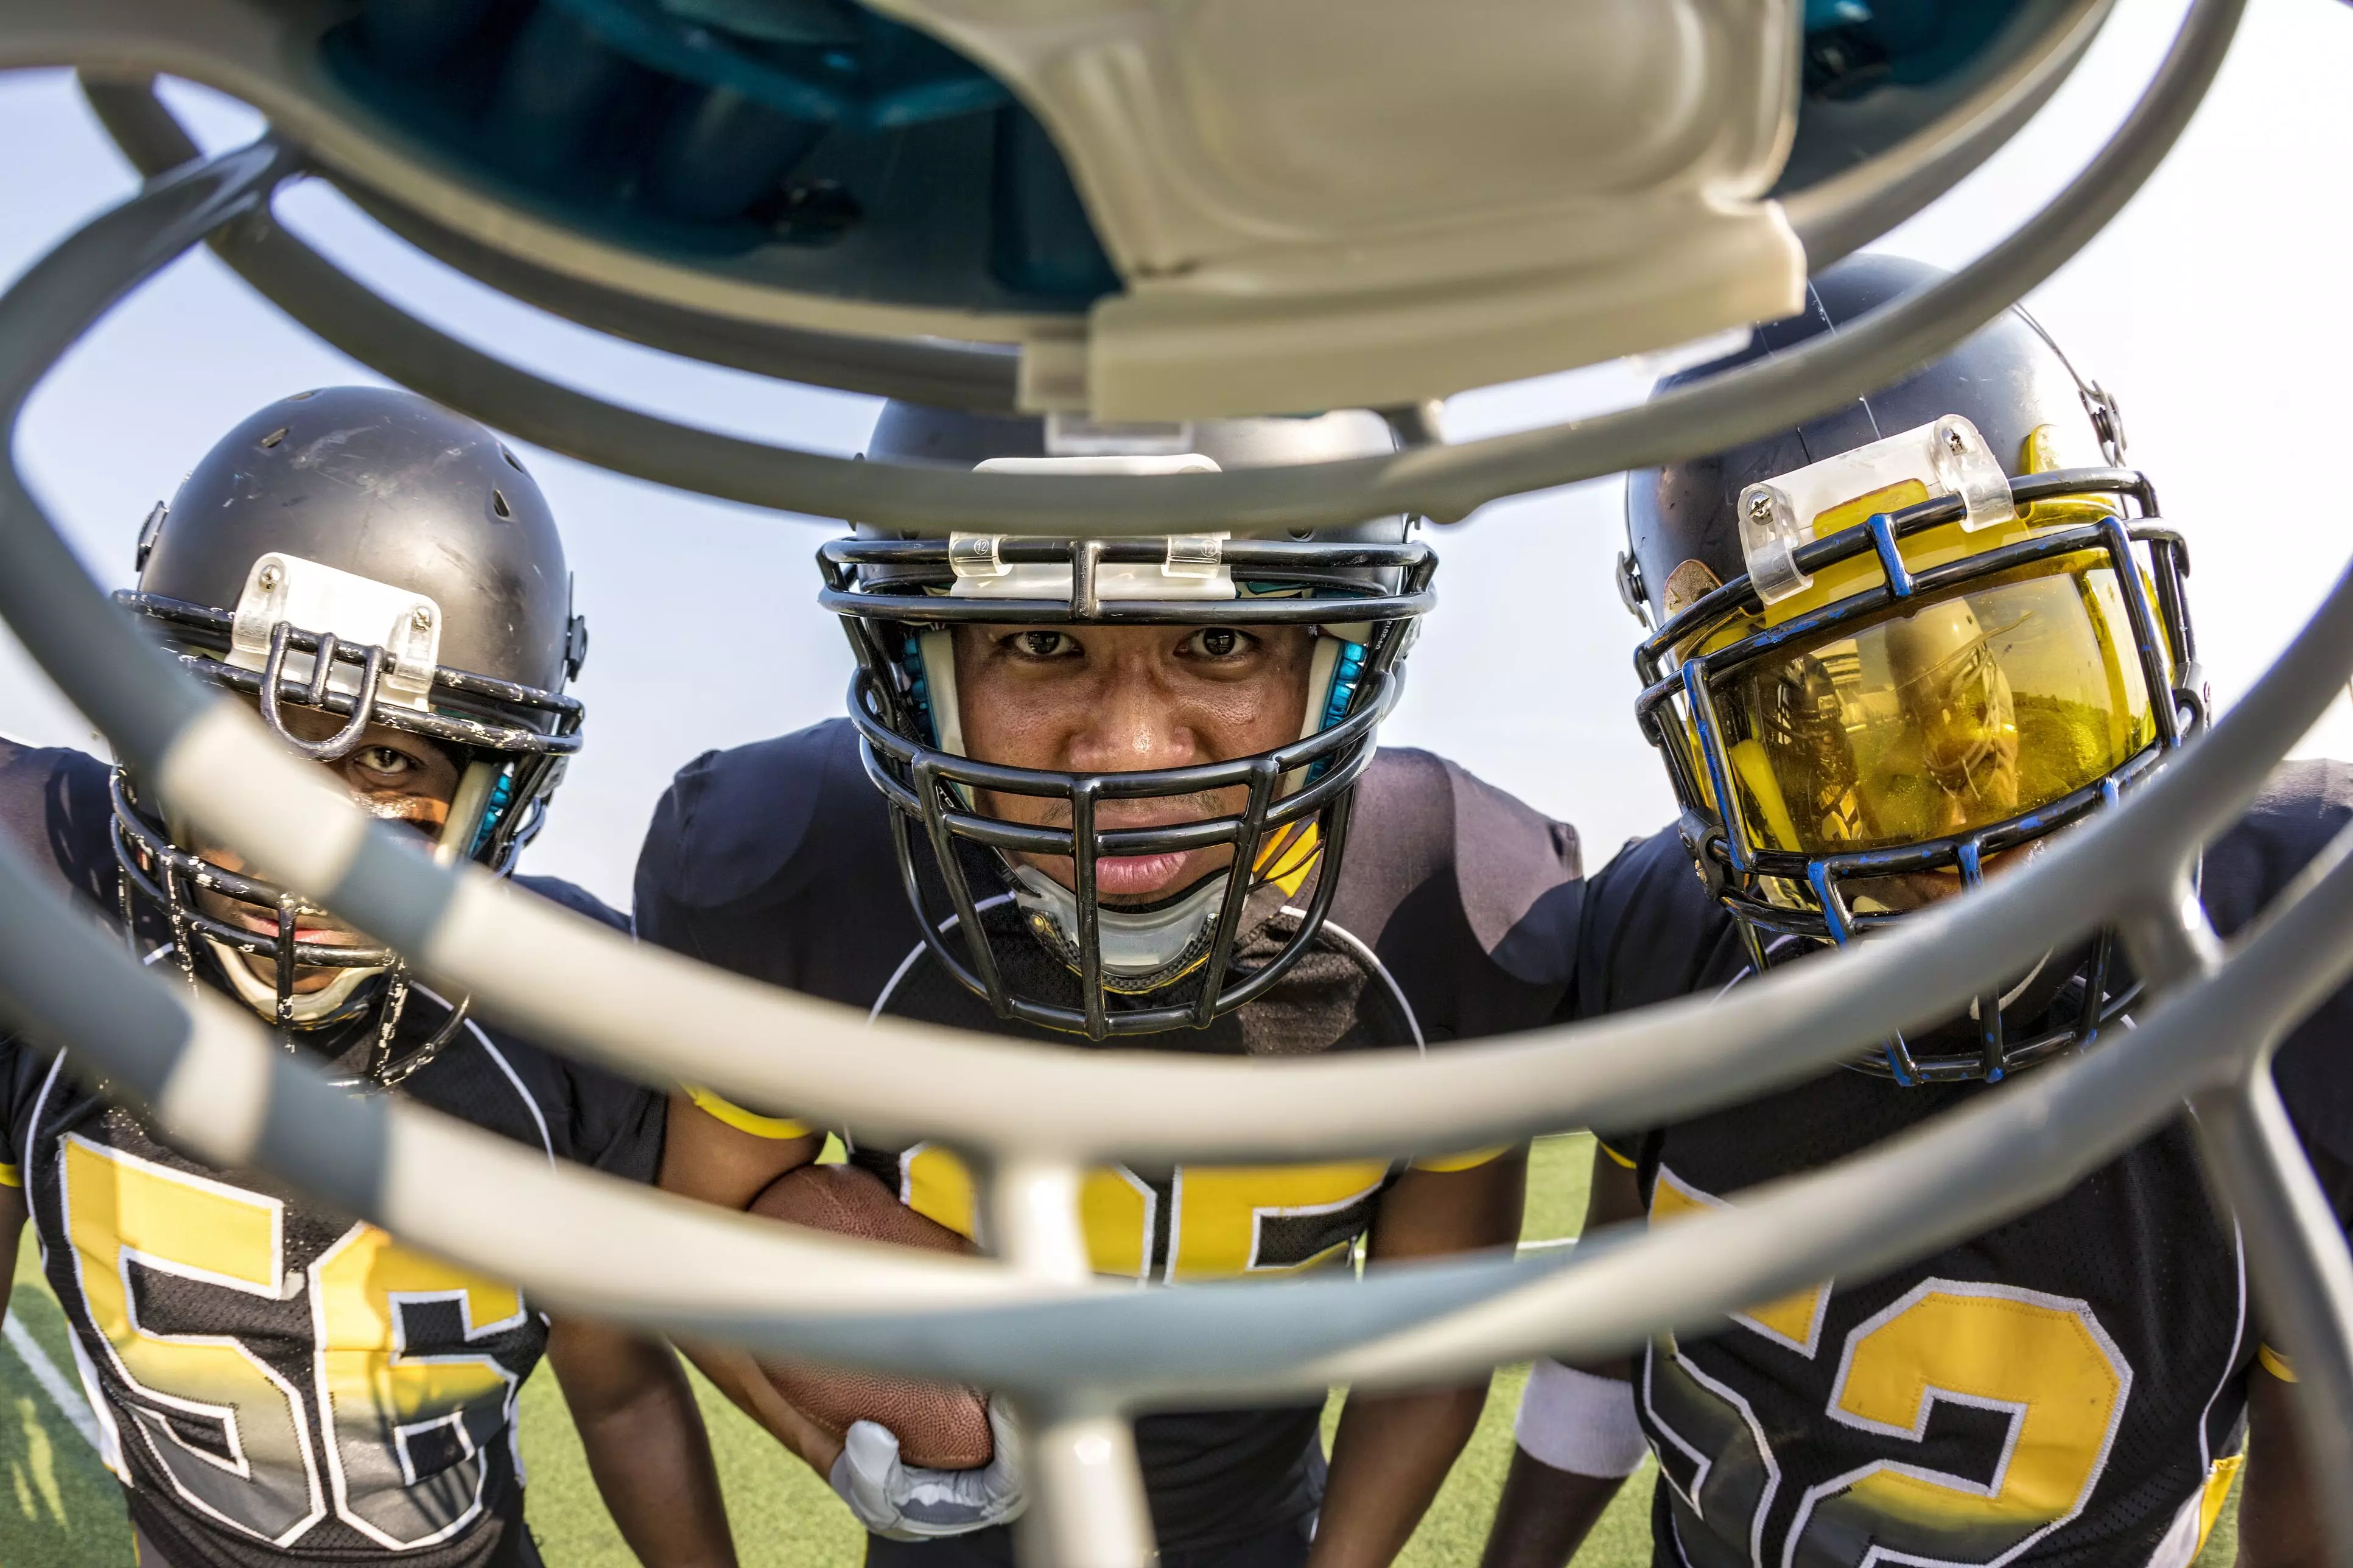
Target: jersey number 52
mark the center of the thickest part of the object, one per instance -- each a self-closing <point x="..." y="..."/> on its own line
<point x="2041" y="1364"/>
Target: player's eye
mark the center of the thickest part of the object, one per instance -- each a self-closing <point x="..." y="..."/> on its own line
<point x="1042" y="643"/>
<point x="1218" y="642"/>
<point x="384" y="761"/>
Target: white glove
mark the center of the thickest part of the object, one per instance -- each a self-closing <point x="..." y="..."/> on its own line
<point x="903" y="1502"/>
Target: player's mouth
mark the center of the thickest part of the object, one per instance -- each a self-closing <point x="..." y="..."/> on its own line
<point x="331" y="936"/>
<point x="1140" y="879"/>
<point x="1132" y="878"/>
<point x="1141" y="876"/>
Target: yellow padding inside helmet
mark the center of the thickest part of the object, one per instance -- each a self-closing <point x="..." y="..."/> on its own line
<point x="1292" y="858"/>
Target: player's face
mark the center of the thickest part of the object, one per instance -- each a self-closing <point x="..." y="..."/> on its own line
<point x="1125" y="699"/>
<point x="397" y="777"/>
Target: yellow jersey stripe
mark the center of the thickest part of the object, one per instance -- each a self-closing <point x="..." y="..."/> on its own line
<point x="776" y="1126"/>
<point x="1469" y="1160"/>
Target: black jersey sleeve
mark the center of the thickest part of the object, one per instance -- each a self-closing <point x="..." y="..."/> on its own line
<point x="617" y="1126"/>
<point x="56" y="815"/>
<point x="775" y="860"/>
<point x="2303" y="805"/>
<point x="607" y="1121"/>
<point x="1648" y="931"/>
<point x="12" y="1064"/>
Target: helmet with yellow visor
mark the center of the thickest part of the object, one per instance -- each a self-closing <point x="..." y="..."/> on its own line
<point x="1907" y="640"/>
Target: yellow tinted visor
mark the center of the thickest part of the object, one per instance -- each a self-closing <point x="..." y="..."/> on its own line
<point x="1958" y="713"/>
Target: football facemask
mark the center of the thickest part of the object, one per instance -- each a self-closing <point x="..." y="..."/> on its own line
<point x="1172" y="964"/>
<point x="1924" y="671"/>
<point x="450" y="621"/>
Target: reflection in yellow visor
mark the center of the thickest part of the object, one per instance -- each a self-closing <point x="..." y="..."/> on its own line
<point x="1959" y="713"/>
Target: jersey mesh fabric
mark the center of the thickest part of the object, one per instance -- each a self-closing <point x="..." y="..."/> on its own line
<point x="776" y="860"/>
<point x="164" y="1249"/>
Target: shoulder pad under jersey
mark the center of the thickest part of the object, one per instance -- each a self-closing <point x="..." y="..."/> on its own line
<point x="2302" y="806"/>
<point x="1515" y="871"/>
<point x="734" y="825"/>
<point x="54" y="809"/>
<point x="576" y="898"/>
<point x="1651" y="931"/>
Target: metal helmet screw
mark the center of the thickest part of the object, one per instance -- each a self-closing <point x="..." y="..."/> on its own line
<point x="270" y="575"/>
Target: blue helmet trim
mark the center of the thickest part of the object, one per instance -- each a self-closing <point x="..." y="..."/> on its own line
<point x="502" y="797"/>
<point x="919" y="684"/>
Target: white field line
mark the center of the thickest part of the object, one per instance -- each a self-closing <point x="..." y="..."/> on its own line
<point x="63" y="1392"/>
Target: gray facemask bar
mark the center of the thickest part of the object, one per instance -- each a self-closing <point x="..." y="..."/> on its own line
<point x="929" y="788"/>
<point x="1030" y="1327"/>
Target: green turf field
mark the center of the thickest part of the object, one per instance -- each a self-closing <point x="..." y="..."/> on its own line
<point x="60" y="1508"/>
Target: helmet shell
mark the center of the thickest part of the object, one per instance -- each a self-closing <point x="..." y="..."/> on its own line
<point x="904" y="703"/>
<point x="2007" y="380"/>
<point x="910" y="433"/>
<point x="392" y="486"/>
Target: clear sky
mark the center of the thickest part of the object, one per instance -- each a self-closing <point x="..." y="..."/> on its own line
<point x="2215" y="307"/>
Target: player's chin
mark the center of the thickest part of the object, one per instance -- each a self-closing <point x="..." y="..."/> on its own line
<point x="1905" y="891"/>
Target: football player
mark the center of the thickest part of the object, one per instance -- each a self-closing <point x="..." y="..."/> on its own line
<point x="1884" y="724"/>
<point x="1101" y="792"/>
<point x="273" y="1382"/>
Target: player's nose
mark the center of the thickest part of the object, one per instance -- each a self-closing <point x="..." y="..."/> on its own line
<point x="1133" y="723"/>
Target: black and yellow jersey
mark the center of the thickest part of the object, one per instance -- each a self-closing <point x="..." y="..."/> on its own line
<point x="2066" y="1389"/>
<point x="274" y="1383"/>
<point x="1453" y="919"/>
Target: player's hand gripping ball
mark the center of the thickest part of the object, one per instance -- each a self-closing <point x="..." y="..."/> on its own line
<point x="940" y="1427"/>
<point x="903" y="1502"/>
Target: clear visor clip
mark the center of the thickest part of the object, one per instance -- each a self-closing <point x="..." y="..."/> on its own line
<point x="1946" y="458"/>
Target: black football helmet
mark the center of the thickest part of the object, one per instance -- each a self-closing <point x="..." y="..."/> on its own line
<point x="1120" y="971"/>
<point x="1924" y="630"/>
<point x="365" y="552"/>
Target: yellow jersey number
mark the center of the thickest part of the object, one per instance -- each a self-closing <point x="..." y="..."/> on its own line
<point x="2043" y="1362"/>
<point x="404" y="1465"/>
<point x="1224" y="1220"/>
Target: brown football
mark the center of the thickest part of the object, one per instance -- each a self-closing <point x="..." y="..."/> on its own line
<point x="940" y="1425"/>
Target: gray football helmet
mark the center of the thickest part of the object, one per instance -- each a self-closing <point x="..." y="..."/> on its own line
<point x="364" y="553"/>
<point x="1362" y="590"/>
